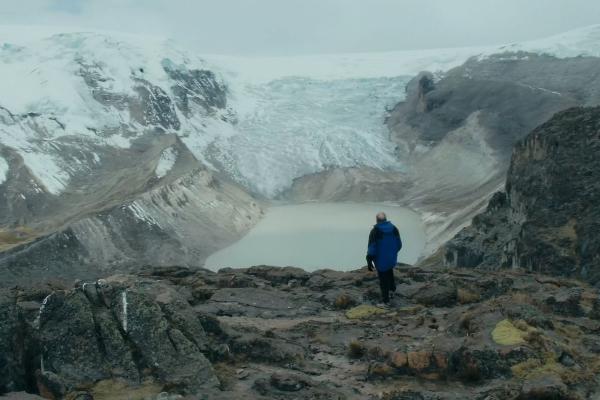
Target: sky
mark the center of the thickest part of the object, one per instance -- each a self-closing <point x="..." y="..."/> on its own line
<point x="290" y="27"/>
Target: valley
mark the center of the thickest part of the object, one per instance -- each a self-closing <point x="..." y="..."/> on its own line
<point x="104" y="163"/>
<point x="175" y="224"/>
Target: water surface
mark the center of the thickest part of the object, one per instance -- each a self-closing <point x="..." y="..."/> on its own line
<point x="319" y="235"/>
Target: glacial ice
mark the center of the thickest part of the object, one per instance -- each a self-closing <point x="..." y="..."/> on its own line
<point x="300" y="126"/>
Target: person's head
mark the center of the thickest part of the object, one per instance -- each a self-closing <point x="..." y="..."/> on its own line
<point x="381" y="217"/>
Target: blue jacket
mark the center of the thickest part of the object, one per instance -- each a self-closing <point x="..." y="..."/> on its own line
<point x="384" y="245"/>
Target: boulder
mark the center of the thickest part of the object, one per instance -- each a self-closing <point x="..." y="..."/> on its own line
<point x="566" y="302"/>
<point x="127" y="330"/>
<point x="288" y="382"/>
<point x="437" y="295"/>
<point x="472" y="364"/>
<point x="547" y="387"/>
<point x="279" y="276"/>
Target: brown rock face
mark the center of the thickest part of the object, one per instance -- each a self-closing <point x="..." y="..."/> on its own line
<point x="399" y="360"/>
<point x="548" y="218"/>
<point x="419" y="360"/>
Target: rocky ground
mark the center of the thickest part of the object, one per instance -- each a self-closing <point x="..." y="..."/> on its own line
<point x="282" y="333"/>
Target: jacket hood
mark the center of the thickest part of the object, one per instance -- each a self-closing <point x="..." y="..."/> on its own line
<point x="385" y="226"/>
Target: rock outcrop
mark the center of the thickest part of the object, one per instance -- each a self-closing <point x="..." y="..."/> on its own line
<point x="134" y="331"/>
<point x="511" y="93"/>
<point x="279" y="333"/>
<point x="548" y="218"/>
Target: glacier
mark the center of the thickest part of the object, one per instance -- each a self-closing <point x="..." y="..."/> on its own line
<point x="300" y="126"/>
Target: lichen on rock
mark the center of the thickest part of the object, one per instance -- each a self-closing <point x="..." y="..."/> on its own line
<point x="507" y="334"/>
<point x="363" y="311"/>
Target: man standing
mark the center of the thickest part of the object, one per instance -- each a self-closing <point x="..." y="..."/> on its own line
<point x="382" y="253"/>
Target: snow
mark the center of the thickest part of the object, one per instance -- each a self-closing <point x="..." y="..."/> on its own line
<point x="3" y="170"/>
<point x="41" y="310"/>
<point x="343" y="66"/>
<point x="46" y="169"/>
<point x="141" y="214"/>
<point x="579" y="42"/>
<point x="166" y="161"/>
<point x="45" y="78"/>
<point x="124" y="309"/>
<point x="295" y="115"/>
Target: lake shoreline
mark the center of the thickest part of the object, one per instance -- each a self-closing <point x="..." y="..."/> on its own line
<point x="319" y="235"/>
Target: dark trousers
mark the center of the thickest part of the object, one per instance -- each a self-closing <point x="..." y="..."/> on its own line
<point x="387" y="284"/>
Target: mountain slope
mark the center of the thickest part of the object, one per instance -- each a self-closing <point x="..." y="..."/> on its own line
<point x="97" y="141"/>
<point x="458" y="130"/>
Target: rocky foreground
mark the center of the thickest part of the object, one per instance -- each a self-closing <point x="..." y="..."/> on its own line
<point x="282" y="333"/>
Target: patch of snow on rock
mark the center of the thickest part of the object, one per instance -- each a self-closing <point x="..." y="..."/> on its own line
<point x="166" y="161"/>
<point x="45" y="168"/>
<point x="3" y="170"/>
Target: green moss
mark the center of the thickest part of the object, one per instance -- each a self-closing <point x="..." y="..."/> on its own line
<point x="522" y="369"/>
<point x="115" y="389"/>
<point x="507" y="334"/>
<point x="15" y="236"/>
<point x="549" y="365"/>
<point x="465" y="296"/>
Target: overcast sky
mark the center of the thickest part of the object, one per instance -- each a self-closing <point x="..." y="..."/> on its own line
<point x="283" y="27"/>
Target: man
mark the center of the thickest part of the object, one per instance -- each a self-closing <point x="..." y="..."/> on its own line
<point x="382" y="253"/>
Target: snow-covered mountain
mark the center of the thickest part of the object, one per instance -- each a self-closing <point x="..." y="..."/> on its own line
<point x="265" y="121"/>
<point x="102" y="131"/>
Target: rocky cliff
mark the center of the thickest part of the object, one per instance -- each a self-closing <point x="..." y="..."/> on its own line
<point x="548" y="218"/>
<point x="280" y="333"/>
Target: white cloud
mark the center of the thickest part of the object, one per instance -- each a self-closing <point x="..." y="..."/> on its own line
<point x="315" y="26"/>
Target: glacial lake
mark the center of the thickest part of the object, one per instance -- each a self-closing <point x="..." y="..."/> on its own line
<point x="319" y="235"/>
